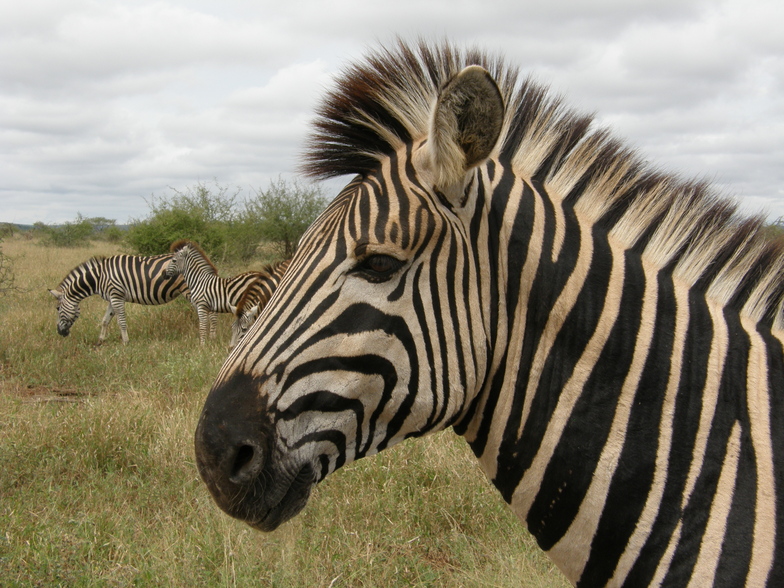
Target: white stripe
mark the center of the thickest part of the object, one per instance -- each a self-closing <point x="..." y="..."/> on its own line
<point x="704" y="573"/>
<point x="650" y="510"/>
<point x="757" y="397"/>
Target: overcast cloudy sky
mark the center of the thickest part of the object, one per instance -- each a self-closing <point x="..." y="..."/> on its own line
<point x="104" y="103"/>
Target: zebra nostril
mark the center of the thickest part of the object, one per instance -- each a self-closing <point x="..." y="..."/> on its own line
<point x="248" y="462"/>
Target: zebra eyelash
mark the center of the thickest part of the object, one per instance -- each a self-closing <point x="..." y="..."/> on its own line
<point x="377" y="268"/>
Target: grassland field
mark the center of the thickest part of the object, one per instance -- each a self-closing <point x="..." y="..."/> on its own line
<point x="98" y="485"/>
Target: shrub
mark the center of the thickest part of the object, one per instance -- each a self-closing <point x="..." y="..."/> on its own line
<point x="199" y="214"/>
<point x="7" y="277"/>
<point x="283" y="212"/>
<point x="7" y="230"/>
<point x="69" y="234"/>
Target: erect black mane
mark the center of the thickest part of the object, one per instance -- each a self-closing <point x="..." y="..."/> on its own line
<point x="384" y="102"/>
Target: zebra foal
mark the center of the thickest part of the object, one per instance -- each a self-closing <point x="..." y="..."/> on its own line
<point x="209" y="293"/>
<point x="607" y="338"/>
<point x="117" y="279"/>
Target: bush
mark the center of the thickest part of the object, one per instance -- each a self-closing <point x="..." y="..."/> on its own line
<point x="7" y="277"/>
<point x="70" y="234"/>
<point x="775" y="229"/>
<point x="210" y="216"/>
<point x="199" y="214"/>
<point x="283" y="212"/>
<point x="7" y="230"/>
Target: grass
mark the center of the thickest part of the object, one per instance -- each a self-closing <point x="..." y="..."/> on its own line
<point x="98" y="485"/>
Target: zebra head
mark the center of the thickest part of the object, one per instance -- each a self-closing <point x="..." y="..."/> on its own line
<point x="245" y="317"/>
<point x="375" y="333"/>
<point x="78" y="284"/>
<point x="177" y="263"/>
<point x="67" y="311"/>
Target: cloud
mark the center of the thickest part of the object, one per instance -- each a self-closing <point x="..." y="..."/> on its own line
<point x="106" y="102"/>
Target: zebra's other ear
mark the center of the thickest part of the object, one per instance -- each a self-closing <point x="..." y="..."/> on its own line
<point x="233" y="309"/>
<point x="464" y="128"/>
<point x="56" y="293"/>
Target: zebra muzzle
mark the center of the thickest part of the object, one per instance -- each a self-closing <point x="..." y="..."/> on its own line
<point x="237" y="458"/>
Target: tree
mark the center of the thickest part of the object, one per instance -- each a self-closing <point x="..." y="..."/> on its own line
<point x="201" y="214"/>
<point x="283" y="212"/>
<point x="69" y="234"/>
<point x="7" y="277"/>
<point x="776" y="228"/>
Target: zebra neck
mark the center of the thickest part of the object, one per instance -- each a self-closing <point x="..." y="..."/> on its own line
<point x="85" y="281"/>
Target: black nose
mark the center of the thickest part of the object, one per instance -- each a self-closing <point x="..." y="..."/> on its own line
<point x="233" y="437"/>
<point x="247" y="463"/>
<point x="63" y="331"/>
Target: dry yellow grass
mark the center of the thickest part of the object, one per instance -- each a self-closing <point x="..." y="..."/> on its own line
<point x="98" y="485"/>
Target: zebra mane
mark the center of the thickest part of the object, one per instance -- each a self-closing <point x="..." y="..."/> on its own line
<point x="383" y="103"/>
<point x="247" y="295"/>
<point x="182" y="243"/>
<point x="267" y="272"/>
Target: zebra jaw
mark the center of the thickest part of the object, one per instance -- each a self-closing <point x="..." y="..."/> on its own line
<point x="250" y="476"/>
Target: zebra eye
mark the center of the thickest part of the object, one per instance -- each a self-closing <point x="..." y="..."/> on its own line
<point x="378" y="268"/>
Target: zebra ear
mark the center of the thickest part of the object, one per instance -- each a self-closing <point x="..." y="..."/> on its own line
<point x="56" y="293"/>
<point x="233" y="309"/>
<point x="464" y="128"/>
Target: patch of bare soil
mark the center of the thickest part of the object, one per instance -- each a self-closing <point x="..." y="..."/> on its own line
<point x="31" y="393"/>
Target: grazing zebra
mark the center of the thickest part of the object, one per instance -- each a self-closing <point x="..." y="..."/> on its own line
<point x="607" y="337"/>
<point x="255" y="298"/>
<point x="209" y="293"/>
<point x="117" y="279"/>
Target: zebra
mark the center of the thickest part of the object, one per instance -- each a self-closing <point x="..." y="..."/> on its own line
<point x="607" y="337"/>
<point x="209" y="293"/>
<point x="117" y="279"/>
<point x="255" y="298"/>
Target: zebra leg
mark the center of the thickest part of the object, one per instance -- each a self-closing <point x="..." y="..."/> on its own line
<point x="119" y="310"/>
<point x="203" y="313"/>
<point x="213" y="324"/>
<point x="107" y="318"/>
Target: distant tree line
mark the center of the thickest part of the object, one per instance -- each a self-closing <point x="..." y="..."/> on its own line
<point x="226" y="226"/>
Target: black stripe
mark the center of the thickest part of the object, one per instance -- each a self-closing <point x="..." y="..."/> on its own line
<point x="688" y="404"/>
<point x="735" y="557"/>
<point x="572" y="467"/>
<point x="776" y="394"/>
<point x="633" y="477"/>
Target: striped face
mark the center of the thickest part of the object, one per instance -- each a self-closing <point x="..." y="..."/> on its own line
<point x="81" y="282"/>
<point x="375" y="333"/>
<point x="371" y="338"/>
<point x="176" y="265"/>
<point x="67" y="311"/>
<point x="242" y="323"/>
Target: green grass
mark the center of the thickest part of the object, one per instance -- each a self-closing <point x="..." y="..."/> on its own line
<point x="98" y="485"/>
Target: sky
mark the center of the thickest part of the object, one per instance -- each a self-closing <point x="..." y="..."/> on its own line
<point x="106" y="105"/>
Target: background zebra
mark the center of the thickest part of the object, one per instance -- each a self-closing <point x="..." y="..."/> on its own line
<point x="117" y="279"/>
<point x="255" y="298"/>
<point x="606" y="337"/>
<point x="209" y="293"/>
